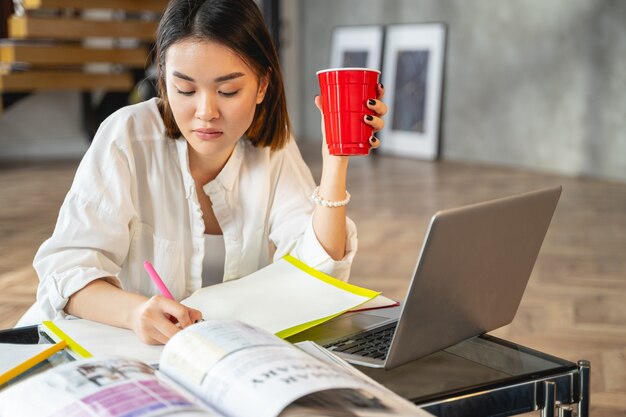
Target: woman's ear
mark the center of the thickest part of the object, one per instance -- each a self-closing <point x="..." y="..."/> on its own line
<point x="264" y="82"/>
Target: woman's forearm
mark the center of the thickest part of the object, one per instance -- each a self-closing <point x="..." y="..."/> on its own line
<point x="103" y="302"/>
<point x="329" y="223"/>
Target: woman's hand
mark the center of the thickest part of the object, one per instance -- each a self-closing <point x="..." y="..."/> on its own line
<point x="157" y="319"/>
<point x="380" y="109"/>
<point x="376" y="121"/>
<point x="154" y="319"/>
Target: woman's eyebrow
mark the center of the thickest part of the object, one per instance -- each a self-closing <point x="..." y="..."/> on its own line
<point x="220" y="79"/>
<point x="183" y="76"/>
<point x="228" y="77"/>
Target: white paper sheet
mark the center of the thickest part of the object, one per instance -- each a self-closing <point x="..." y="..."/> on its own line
<point x="275" y="298"/>
<point x="104" y="340"/>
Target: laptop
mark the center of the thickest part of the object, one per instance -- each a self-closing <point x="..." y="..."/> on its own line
<point x="469" y="279"/>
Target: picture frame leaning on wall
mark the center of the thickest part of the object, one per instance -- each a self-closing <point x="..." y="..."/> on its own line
<point x="412" y="73"/>
<point x="356" y="47"/>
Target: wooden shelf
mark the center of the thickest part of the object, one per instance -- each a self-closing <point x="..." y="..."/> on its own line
<point x="28" y="27"/>
<point x="50" y="81"/>
<point x="127" y="5"/>
<point x="46" y="50"/>
<point x="71" y="55"/>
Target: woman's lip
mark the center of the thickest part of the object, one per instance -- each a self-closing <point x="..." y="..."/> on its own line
<point x="207" y="131"/>
<point x="207" y="134"/>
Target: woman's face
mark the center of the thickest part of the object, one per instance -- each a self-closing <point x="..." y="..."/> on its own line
<point x="212" y="93"/>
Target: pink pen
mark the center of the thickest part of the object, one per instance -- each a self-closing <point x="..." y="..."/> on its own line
<point x="157" y="280"/>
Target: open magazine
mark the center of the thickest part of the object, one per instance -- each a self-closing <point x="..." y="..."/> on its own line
<point x="212" y="368"/>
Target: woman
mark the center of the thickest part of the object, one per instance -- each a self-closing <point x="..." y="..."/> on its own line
<point x="205" y="182"/>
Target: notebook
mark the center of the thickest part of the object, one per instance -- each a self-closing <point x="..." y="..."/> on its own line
<point x="469" y="279"/>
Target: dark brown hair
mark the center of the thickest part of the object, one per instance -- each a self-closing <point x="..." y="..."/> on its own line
<point x="238" y="25"/>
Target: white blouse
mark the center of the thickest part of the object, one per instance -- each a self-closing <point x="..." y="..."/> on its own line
<point x="133" y="199"/>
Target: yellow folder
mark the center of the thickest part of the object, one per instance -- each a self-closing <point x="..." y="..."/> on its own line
<point x="31" y="362"/>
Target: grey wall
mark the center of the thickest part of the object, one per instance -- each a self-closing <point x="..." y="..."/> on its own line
<point x="529" y="83"/>
<point x="43" y="126"/>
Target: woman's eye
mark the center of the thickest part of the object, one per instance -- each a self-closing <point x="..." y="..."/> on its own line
<point x="228" y="94"/>
<point x="185" y="93"/>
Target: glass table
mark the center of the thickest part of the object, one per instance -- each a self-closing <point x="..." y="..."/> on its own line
<point x="483" y="376"/>
<point x="489" y="376"/>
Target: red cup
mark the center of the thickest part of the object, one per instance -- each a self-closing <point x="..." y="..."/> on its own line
<point x="345" y="92"/>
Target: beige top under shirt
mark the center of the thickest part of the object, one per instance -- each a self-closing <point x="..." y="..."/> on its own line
<point x="213" y="262"/>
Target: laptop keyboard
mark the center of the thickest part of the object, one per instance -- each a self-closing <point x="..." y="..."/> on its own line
<point x="371" y="344"/>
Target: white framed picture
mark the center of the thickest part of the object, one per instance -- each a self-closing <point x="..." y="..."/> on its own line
<point x="412" y="74"/>
<point x="356" y="47"/>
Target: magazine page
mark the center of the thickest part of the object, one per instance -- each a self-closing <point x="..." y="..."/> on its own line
<point x="243" y="371"/>
<point x="191" y="353"/>
<point x="349" y="403"/>
<point x="103" y="387"/>
<point x="399" y="404"/>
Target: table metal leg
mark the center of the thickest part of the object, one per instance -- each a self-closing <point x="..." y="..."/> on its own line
<point x="549" y="399"/>
<point x="565" y="410"/>
<point x="584" y="369"/>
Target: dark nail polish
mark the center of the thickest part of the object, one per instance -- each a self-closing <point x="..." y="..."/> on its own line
<point x="369" y="117"/>
<point x="373" y="139"/>
<point x="371" y="102"/>
<point x="381" y="85"/>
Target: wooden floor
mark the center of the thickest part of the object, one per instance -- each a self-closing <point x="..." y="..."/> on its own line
<point x="574" y="306"/>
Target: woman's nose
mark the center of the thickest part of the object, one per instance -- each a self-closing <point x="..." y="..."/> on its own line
<point x="206" y="110"/>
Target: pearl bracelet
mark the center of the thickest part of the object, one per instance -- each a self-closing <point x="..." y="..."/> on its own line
<point x="325" y="203"/>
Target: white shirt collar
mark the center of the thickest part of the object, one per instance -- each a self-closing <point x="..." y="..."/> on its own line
<point x="229" y="173"/>
<point x="227" y="176"/>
